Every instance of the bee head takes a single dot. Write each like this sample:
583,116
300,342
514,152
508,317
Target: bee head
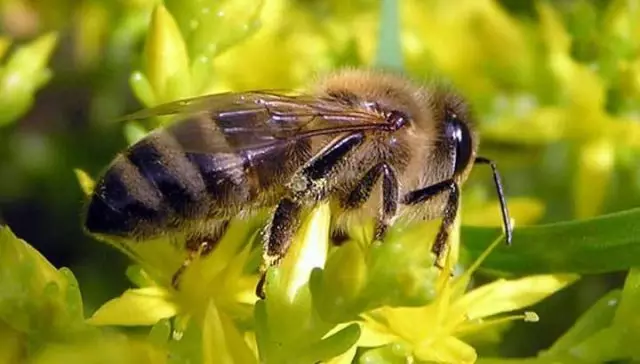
458,140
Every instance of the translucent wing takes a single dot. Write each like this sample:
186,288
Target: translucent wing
232,122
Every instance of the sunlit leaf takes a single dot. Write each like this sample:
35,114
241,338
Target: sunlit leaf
602,244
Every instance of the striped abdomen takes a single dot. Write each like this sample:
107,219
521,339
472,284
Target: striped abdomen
187,172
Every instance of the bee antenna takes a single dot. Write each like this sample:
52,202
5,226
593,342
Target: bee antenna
506,219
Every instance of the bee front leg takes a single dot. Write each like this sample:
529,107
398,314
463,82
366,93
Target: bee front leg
362,191
307,186
449,214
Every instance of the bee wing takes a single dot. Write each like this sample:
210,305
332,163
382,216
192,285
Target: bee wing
261,120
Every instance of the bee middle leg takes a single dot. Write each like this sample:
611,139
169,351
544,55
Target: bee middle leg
362,191
307,186
450,212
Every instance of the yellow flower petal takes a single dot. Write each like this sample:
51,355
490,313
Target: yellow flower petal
166,58
346,357
508,295
221,275
136,307
372,333
221,340
591,182
308,251
5,43
446,349
11,344
400,322
85,181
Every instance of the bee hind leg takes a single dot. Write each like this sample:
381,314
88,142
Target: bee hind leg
449,214
285,222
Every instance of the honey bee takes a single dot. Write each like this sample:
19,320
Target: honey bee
373,144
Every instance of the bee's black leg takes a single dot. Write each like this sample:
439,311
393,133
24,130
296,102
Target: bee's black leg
285,222
308,185
449,214
361,193
199,246
389,200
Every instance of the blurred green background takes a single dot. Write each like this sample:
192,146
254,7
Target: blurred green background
555,84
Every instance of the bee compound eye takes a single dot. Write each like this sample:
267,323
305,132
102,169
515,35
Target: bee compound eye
460,138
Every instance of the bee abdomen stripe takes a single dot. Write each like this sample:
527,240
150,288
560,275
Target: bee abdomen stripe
114,210
154,167
223,177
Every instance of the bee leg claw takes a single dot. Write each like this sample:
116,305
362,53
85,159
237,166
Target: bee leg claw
175,279
260,287
440,267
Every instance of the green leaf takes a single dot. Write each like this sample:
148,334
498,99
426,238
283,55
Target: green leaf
601,347
389,53
598,317
627,319
602,244
36,298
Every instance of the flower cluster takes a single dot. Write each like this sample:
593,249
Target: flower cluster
363,301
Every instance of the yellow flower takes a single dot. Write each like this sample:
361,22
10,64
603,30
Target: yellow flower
295,44
465,39
214,291
436,332
219,276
